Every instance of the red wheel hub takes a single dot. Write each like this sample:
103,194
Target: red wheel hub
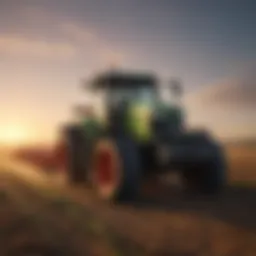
104,168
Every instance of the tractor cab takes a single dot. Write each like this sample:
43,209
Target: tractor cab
133,102
119,86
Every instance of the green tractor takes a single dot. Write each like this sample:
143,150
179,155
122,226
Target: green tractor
135,134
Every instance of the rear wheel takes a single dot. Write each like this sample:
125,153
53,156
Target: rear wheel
115,172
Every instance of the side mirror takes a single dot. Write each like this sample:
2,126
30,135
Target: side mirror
176,87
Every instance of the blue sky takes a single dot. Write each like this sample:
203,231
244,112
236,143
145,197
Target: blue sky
46,47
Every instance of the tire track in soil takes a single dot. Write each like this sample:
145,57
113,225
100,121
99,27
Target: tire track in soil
236,205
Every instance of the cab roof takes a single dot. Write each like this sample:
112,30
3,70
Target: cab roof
117,78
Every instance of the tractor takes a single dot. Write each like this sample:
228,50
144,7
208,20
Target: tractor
134,132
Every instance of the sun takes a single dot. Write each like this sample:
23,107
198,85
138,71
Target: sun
14,135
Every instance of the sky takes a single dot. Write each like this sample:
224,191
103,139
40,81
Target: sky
48,47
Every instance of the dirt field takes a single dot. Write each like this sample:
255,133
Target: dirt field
242,165
41,213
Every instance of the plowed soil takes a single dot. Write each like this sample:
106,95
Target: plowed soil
41,215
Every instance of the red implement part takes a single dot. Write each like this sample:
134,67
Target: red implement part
55,159
61,156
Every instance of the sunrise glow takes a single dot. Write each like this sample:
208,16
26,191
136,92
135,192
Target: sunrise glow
14,135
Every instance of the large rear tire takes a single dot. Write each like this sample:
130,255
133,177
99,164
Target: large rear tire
116,169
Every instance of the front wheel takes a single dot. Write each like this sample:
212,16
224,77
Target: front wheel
207,177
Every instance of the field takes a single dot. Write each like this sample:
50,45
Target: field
43,216
242,164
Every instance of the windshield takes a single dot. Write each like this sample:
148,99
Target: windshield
143,94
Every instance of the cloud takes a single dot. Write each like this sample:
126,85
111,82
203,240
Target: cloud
77,33
18,45
38,31
227,108
88,41
235,92
70,40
